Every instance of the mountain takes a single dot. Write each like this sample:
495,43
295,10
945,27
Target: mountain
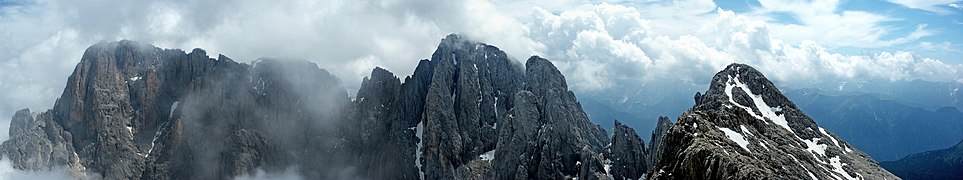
744,128
937,164
915,93
885,129
134,111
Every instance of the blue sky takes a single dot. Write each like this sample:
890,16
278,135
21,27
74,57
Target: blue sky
945,21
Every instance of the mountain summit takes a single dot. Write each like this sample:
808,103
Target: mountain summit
744,128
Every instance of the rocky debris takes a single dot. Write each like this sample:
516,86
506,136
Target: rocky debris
627,153
547,135
936,164
744,128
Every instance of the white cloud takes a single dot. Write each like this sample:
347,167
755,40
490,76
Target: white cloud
941,47
596,59
823,21
935,6
955,5
8,172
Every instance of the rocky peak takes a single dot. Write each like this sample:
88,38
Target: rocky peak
626,154
743,127
547,135
656,142
545,77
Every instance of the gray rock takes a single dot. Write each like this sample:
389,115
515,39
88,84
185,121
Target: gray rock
469,89
656,142
627,153
40,144
548,135
744,128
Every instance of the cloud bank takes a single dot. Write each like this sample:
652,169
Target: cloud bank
602,46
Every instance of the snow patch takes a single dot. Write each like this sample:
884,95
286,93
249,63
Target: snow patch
607,165
838,167
495,105
766,110
130,131
763,144
814,146
487,156
419,132
744,130
173,107
454,58
736,137
153,142
135,78
830,137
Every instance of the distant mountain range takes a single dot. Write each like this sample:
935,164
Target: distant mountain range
936,164
885,129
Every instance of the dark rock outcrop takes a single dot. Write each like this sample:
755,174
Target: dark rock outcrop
744,128
936,164
656,142
626,153
132,111
470,89
548,135
40,144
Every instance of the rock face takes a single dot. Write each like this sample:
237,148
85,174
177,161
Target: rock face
470,89
656,142
134,111
744,128
627,151
547,135
937,164
46,151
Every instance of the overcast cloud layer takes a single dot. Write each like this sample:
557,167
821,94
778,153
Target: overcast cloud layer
596,45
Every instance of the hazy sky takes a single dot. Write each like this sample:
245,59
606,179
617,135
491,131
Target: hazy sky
596,44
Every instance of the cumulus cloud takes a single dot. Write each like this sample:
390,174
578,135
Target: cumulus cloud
599,56
955,5
825,22
935,6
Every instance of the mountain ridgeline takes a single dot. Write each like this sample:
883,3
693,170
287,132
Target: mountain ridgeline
134,111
